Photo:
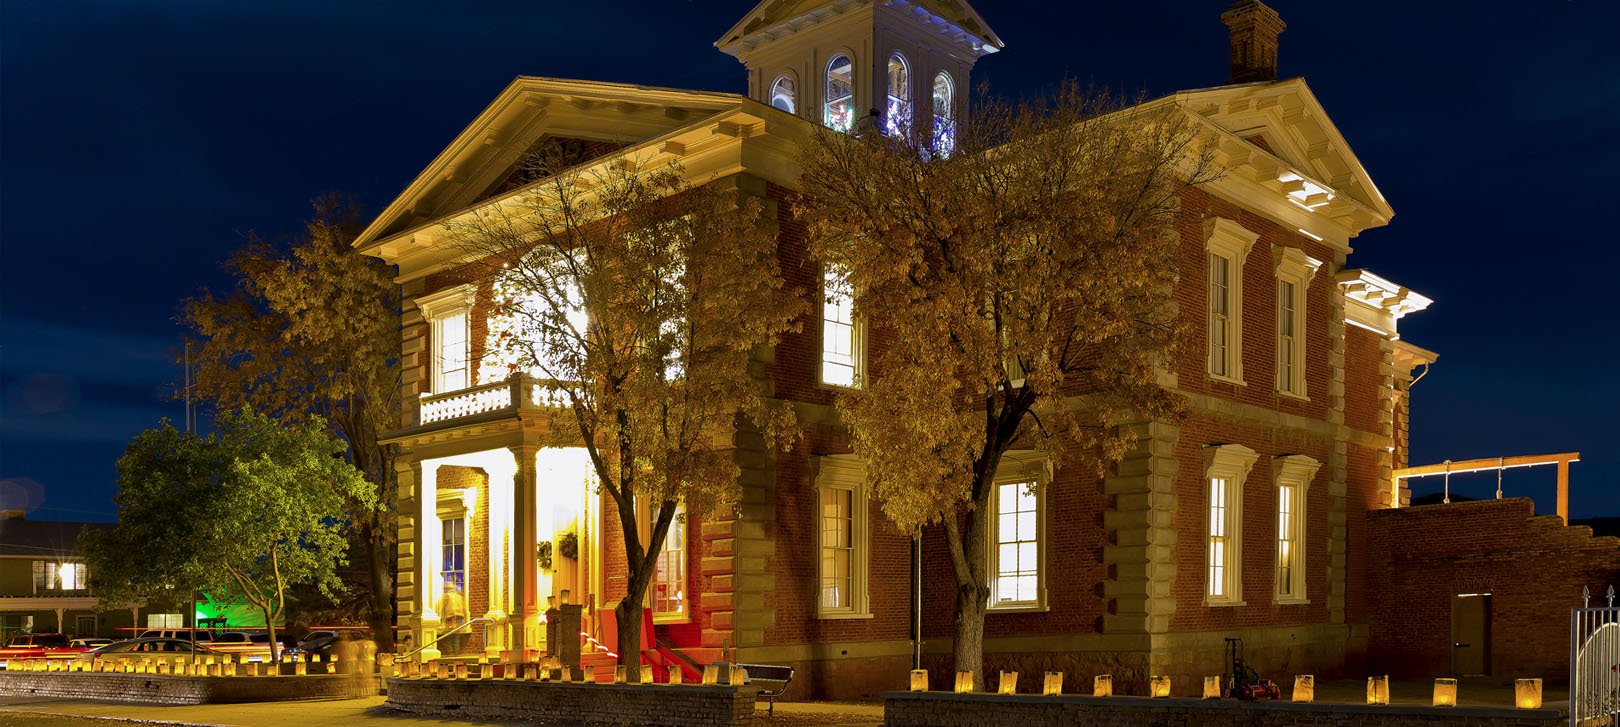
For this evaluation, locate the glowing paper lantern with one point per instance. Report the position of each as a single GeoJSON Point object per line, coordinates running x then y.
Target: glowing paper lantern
{"type": "Point", "coordinates": [1102, 686]}
{"type": "Point", "coordinates": [1378, 690]}
{"type": "Point", "coordinates": [964, 682]}
{"type": "Point", "coordinates": [620, 674]}
{"type": "Point", "coordinates": [647, 674]}
{"type": "Point", "coordinates": [461, 670]}
{"type": "Point", "coordinates": [739, 676]}
{"type": "Point", "coordinates": [1445, 692]}
{"type": "Point", "coordinates": [1009, 683]}
{"type": "Point", "coordinates": [675, 674]}
{"type": "Point", "coordinates": [1527, 693]}
{"type": "Point", "coordinates": [711, 674]}
{"type": "Point", "coordinates": [300, 667]}
{"type": "Point", "coordinates": [1053, 685]}
{"type": "Point", "coordinates": [1212, 687]}
{"type": "Point", "coordinates": [1159, 686]}
{"type": "Point", "coordinates": [919, 680]}
{"type": "Point", "coordinates": [1304, 688]}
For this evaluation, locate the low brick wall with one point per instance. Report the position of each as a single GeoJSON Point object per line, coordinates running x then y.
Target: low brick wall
{"type": "Point", "coordinates": [164, 689]}
{"type": "Point", "coordinates": [945, 709]}
{"type": "Point", "coordinates": [577, 703]}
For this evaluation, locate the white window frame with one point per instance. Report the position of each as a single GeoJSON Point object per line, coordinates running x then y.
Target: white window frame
{"type": "Point", "coordinates": [826, 92]}
{"type": "Point", "coordinates": [1229, 463]}
{"type": "Point", "coordinates": [1018, 467]}
{"type": "Point", "coordinates": [857, 325]}
{"type": "Point", "coordinates": [684, 582]}
{"type": "Point", "coordinates": [1297, 269]}
{"type": "Point", "coordinates": [844, 472]}
{"type": "Point", "coordinates": [792, 95]}
{"type": "Point", "coordinates": [451, 504]}
{"type": "Point", "coordinates": [1226, 239]}
{"type": "Point", "coordinates": [1295, 472]}
{"type": "Point", "coordinates": [439, 309]}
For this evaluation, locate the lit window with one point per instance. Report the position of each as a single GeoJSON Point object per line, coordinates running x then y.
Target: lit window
{"type": "Point", "coordinates": [1226, 467]}
{"type": "Point", "coordinates": [671, 328]}
{"type": "Point", "coordinates": [669, 573]}
{"type": "Point", "coordinates": [944, 114]}
{"type": "Point", "coordinates": [453, 568]}
{"type": "Point", "coordinates": [447, 311]}
{"type": "Point", "coordinates": [897, 117]}
{"type": "Point", "coordinates": [782, 94]}
{"type": "Point", "coordinates": [1226, 244]}
{"type": "Point", "coordinates": [1016, 533]}
{"type": "Point", "coordinates": [841, 544]}
{"type": "Point", "coordinates": [1293, 475]}
{"type": "Point", "coordinates": [840, 108]}
{"type": "Point", "coordinates": [842, 335]}
{"type": "Point", "coordinates": [1294, 272]}
{"type": "Point", "coordinates": [57, 576]}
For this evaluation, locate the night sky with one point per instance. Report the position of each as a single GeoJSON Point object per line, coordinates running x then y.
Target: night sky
{"type": "Point", "coordinates": [138, 140]}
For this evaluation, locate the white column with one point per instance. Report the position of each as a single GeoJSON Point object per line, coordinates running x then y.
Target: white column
{"type": "Point", "coordinates": [502, 469]}
{"type": "Point", "coordinates": [429, 532]}
{"type": "Point", "coordinates": [525, 570]}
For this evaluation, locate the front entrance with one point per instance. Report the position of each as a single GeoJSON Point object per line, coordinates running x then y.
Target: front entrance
{"type": "Point", "coordinates": [85, 626]}
{"type": "Point", "coordinates": [1471, 634]}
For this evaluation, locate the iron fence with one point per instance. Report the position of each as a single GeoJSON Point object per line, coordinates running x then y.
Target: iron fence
{"type": "Point", "coordinates": [1594, 663]}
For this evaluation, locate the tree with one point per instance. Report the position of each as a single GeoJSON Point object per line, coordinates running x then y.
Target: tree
{"type": "Point", "coordinates": [314, 330]}
{"type": "Point", "coordinates": [639, 299]}
{"type": "Point", "coordinates": [1022, 286]}
{"type": "Point", "coordinates": [248, 512]}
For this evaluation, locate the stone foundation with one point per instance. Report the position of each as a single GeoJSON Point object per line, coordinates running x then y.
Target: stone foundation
{"type": "Point", "coordinates": [577, 703]}
{"type": "Point", "coordinates": [944, 709]}
{"type": "Point", "coordinates": [164, 689]}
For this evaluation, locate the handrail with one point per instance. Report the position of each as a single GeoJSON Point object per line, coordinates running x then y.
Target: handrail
{"type": "Point", "coordinates": [420, 649]}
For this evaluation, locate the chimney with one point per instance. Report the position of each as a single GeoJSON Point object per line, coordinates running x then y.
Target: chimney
{"type": "Point", "coordinates": [1254, 28]}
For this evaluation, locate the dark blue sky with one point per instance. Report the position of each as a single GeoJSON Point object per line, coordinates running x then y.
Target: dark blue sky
{"type": "Point", "coordinates": [137, 139]}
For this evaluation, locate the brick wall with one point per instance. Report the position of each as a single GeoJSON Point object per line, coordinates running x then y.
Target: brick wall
{"type": "Point", "coordinates": [577, 702]}
{"type": "Point", "coordinates": [1361, 379]}
{"type": "Point", "coordinates": [1533, 567]}
{"type": "Point", "coordinates": [454, 477]}
{"type": "Point", "coordinates": [164, 689]}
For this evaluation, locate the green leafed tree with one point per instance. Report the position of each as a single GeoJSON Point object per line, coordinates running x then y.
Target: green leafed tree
{"type": "Point", "coordinates": [312, 329]}
{"type": "Point", "coordinates": [641, 300]}
{"type": "Point", "coordinates": [247, 512]}
{"type": "Point", "coordinates": [1021, 285]}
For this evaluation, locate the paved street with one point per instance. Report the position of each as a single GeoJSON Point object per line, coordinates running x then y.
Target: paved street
{"type": "Point", "coordinates": [368, 712]}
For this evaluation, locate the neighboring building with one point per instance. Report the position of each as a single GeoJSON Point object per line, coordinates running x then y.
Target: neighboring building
{"type": "Point", "coordinates": [44, 585]}
{"type": "Point", "coordinates": [1245, 520]}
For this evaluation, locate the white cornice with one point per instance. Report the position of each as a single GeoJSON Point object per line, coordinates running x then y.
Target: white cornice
{"type": "Point", "coordinates": [1375, 303]}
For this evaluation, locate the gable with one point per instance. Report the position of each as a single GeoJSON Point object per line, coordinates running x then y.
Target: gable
{"type": "Point", "coordinates": [772, 18]}
{"type": "Point", "coordinates": [483, 158]}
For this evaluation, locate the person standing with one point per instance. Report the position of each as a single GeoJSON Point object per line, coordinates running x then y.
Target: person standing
{"type": "Point", "coordinates": [452, 614]}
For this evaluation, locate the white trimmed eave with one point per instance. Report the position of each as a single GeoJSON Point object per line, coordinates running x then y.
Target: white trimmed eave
{"type": "Point", "coordinates": [1376, 303]}
{"type": "Point", "coordinates": [735, 42]}
{"type": "Point", "coordinates": [533, 105]}
{"type": "Point", "coordinates": [751, 137]}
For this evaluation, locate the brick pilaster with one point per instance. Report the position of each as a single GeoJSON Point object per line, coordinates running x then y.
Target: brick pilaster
{"type": "Point", "coordinates": [1141, 534]}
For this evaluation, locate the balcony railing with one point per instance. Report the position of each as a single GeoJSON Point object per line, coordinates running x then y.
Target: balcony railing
{"type": "Point", "coordinates": [516, 394]}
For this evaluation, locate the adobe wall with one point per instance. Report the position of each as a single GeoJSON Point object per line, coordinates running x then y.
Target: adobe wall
{"type": "Point", "coordinates": [1533, 567]}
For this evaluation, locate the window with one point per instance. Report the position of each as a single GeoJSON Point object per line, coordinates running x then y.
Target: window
{"type": "Point", "coordinates": [1226, 244]}
{"type": "Point", "coordinates": [841, 540]}
{"type": "Point", "coordinates": [897, 116]}
{"type": "Point", "coordinates": [782, 94]}
{"type": "Point", "coordinates": [944, 114]}
{"type": "Point", "coordinates": [1226, 466]}
{"type": "Point", "coordinates": [669, 572]}
{"type": "Point", "coordinates": [1293, 475]}
{"type": "Point", "coordinates": [59, 576]}
{"type": "Point", "coordinates": [1294, 272]}
{"type": "Point", "coordinates": [453, 567]}
{"type": "Point", "coordinates": [842, 336]}
{"type": "Point", "coordinates": [448, 360]}
{"type": "Point", "coordinates": [840, 109]}
{"type": "Point", "coordinates": [1017, 532]}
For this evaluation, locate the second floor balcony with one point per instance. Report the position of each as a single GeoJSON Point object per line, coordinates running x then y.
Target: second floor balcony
{"type": "Point", "coordinates": [518, 394]}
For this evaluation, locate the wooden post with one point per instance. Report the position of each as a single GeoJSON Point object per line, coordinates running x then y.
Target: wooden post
{"type": "Point", "coordinates": [1563, 489]}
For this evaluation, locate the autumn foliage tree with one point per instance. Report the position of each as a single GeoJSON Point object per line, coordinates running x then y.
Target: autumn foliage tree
{"type": "Point", "coordinates": [639, 299]}
{"type": "Point", "coordinates": [312, 329]}
{"type": "Point", "coordinates": [1022, 287]}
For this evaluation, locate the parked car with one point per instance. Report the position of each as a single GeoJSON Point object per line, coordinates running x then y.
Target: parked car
{"type": "Point", "coordinates": [157, 648]}
{"type": "Point", "coordinates": [324, 641]}
{"type": "Point", "coordinates": [87, 644]}
{"type": "Point", "coordinates": [34, 646]}
{"type": "Point", "coordinates": [203, 635]}
{"type": "Point", "coordinates": [254, 644]}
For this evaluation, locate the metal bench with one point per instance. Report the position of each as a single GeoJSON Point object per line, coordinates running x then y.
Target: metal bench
{"type": "Point", "coordinates": [771, 680]}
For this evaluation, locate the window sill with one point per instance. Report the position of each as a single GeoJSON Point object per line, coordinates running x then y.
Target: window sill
{"type": "Point", "coordinates": [849, 616]}
{"type": "Point", "coordinates": [1019, 608]}
{"type": "Point", "coordinates": [673, 618]}
{"type": "Point", "coordinates": [1226, 379]}
{"type": "Point", "coordinates": [1223, 603]}
{"type": "Point", "coordinates": [1292, 395]}
{"type": "Point", "coordinates": [1291, 601]}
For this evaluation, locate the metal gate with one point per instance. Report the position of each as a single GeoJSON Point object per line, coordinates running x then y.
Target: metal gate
{"type": "Point", "coordinates": [1594, 663]}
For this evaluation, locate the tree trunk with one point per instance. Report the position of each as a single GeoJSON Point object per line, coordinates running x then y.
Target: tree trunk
{"type": "Point", "coordinates": [968, 651]}
{"type": "Point", "coordinates": [628, 613]}
{"type": "Point", "coordinates": [380, 611]}
{"type": "Point", "coordinates": [275, 646]}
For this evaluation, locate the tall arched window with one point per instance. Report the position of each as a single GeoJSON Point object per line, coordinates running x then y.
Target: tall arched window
{"type": "Point", "coordinates": [782, 94]}
{"type": "Point", "coordinates": [944, 114]}
{"type": "Point", "coordinates": [897, 117]}
{"type": "Point", "coordinates": [840, 110]}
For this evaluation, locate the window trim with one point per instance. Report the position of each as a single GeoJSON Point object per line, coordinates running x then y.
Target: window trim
{"type": "Point", "coordinates": [1230, 462]}
{"type": "Point", "coordinates": [449, 505]}
{"type": "Point", "coordinates": [435, 309]}
{"type": "Point", "coordinates": [908, 102]}
{"type": "Point", "coordinates": [844, 472]}
{"type": "Point", "coordinates": [685, 614]}
{"type": "Point", "coordinates": [1294, 267]}
{"type": "Point", "coordinates": [943, 122]}
{"type": "Point", "coordinates": [1293, 470]}
{"type": "Point", "coordinates": [1019, 466]}
{"type": "Point", "coordinates": [793, 93]}
{"type": "Point", "coordinates": [1227, 239]}
{"type": "Point", "coordinates": [857, 344]}
{"type": "Point", "coordinates": [826, 88]}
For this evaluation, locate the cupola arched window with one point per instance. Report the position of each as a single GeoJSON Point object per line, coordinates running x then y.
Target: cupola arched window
{"type": "Point", "coordinates": [839, 114]}
{"type": "Point", "coordinates": [782, 94]}
{"type": "Point", "coordinates": [897, 117]}
{"type": "Point", "coordinates": [944, 113]}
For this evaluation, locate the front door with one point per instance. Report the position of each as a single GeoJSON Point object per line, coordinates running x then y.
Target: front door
{"type": "Point", "coordinates": [85, 626]}
{"type": "Point", "coordinates": [1471, 634]}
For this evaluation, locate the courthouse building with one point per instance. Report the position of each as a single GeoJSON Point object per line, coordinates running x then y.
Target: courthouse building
{"type": "Point", "coordinates": [1246, 519]}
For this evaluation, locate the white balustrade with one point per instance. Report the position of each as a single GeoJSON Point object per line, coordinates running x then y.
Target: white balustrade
{"type": "Point", "coordinates": [458, 404]}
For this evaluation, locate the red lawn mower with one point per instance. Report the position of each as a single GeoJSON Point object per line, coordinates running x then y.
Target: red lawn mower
{"type": "Point", "coordinates": [1242, 682]}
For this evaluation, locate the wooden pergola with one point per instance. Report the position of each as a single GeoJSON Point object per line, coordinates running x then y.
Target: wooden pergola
{"type": "Point", "coordinates": [1499, 463]}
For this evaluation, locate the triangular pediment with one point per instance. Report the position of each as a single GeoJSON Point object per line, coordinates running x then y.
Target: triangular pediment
{"type": "Point", "coordinates": [772, 18]}
{"type": "Point", "coordinates": [594, 118]}
{"type": "Point", "coordinates": [1279, 131]}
